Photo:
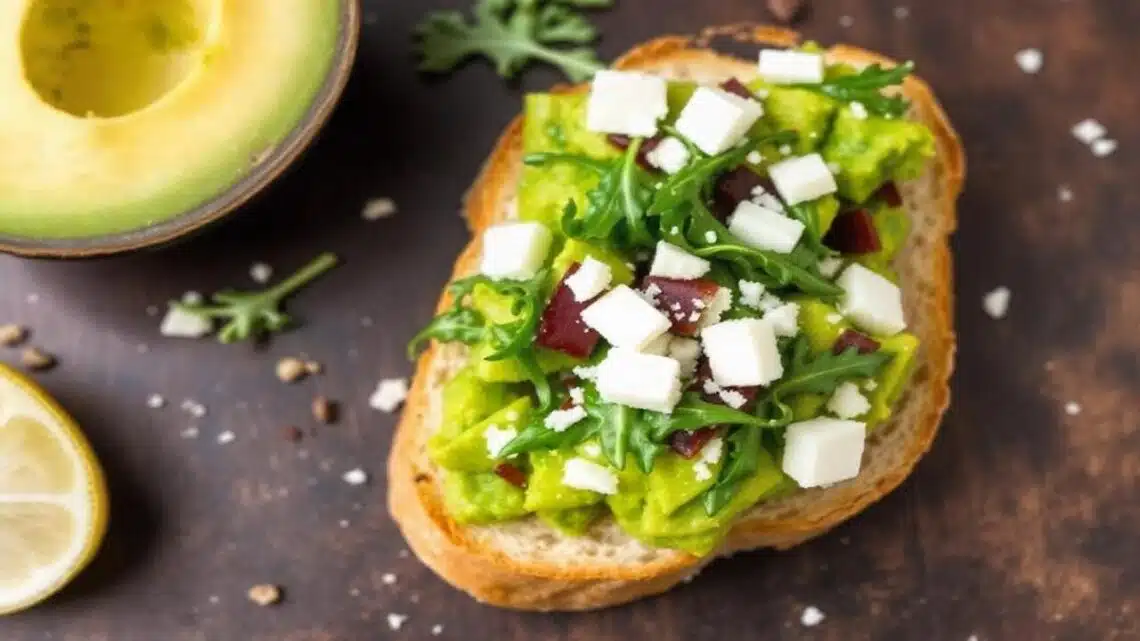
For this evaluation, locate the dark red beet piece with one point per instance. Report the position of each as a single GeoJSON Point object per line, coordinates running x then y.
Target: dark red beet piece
{"type": "Point", "coordinates": [889, 193]}
{"type": "Point", "coordinates": [860, 341]}
{"type": "Point", "coordinates": [690, 444]}
{"type": "Point", "coordinates": [734, 186]}
{"type": "Point", "coordinates": [511, 474]}
{"type": "Point", "coordinates": [649, 144]}
{"type": "Point", "coordinates": [734, 86]}
{"type": "Point", "coordinates": [853, 232]}
{"type": "Point", "coordinates": [561, 328]}
{"type": "Point", "coordinates": [683, 301]}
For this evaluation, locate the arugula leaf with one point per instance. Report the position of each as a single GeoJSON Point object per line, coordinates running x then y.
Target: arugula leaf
{"type": "Point", "coordinates": [742, 460]}
{"type": "Point", "coordinates": [866, 86]}
{"type": "Point", "coordinates": [616, 427]}
{"type": "Point", "coordinates": [641, 444]}
{"type": "Point", "coordinates": [537, 436]}
{"type": "Point", "coordinates": [693, 413]}
{"type": "Point", "coordinates": [458, 325]}
{"type": "Point", "coordinates": [822, 374]}
{"type": "Point", "coordinates": [512, 33]}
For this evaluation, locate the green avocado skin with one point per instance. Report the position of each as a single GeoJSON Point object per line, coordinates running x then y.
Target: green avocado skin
{"type": "Point", "coordinates": [662, 508]}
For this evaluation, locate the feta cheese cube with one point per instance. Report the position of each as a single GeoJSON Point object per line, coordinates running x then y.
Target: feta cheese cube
{"type": "Point", "coordinates": [871, 301]}
{"type": "Point", "coordinates": [497, 438]}
{"type": "Point", "coordinates": [802, 178]}
{"type": "Point", "coordinates": [761, 197]}
{"type": "Point", "coordinates": [562, 420]}
{"type": "Point", "coordinates": [721, 303]}
{"type": "Point", "coordinates": [514, 251]}
{"type": "Point", "coordinates": [848, 402]}
{"type": "Point", "coordinates": [996, 303]}
{"type": "Point", "coordinates": [625, 319]}
{"type": "Point", "coordinates": [583, 474]}
{"type": "Point", "coordinates": [763, 228]}
{"type": "Point", "coordinates": [742, 352]}
{"type": "Point", "coordinates": [658, 346]}
{"type": "Point", "coordinates": [644, 381]}
{"type": "Point", "coordinates": [715, 120]}
{"type": "Point", "coordinates": [671, 261]}
{"type": "Point", "coordinates": [782, 67]}
{"type": "Point", "coordinates": [626, 102]}
{"type": "Point", "coordinates": [823, 451]}
{"type": "Point", "coordinates": [784, 319]}
{"type": "Point", "coordinates": [592, 278]}
{"type": "Point", "coordinates": [686, 351]}
{"type": "Point", "coordinates": [179, 323]}
{"type": "Point", "coordinates": [670, 155]}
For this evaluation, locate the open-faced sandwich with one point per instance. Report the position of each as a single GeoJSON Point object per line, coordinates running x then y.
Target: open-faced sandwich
{"type": "Point", "coordinates": [706, 308]}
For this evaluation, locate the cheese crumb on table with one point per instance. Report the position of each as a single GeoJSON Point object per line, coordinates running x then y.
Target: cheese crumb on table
{"type": "Point", "coordinates": [225, 438]}
{"type": "Point", "coordinates": [378, 208]}
{"type": "Point", "coordinates": [1030, 60]}
{"type": "Point", "coordinates": [389, 395]}
{"type": "Point", "coordinates": [265, 594]}
{"type": "Point", "coordinates": [1072, 408]}
{"type": "Point", "coordinates": [1103, 147]}
{"type": "Point", "coordinates": [260, 273]}
{"type": "Point", "coordinates": [388, 578]}
{"type": "Point", "coordinates": [1088, 131]}
{"type": "Point", "coordinates": [811, 617]}
{"type": "Point", "coordinates": [996, 303]}
{"type": "Point", "coordinates": [155, 401]}
{"type": "Point", "coordinates": [355, 476]}
{"type": "Point", "coordinates": [1064, 194]}
{"type": "Point", "coordinates": [436, 630]}
{"type": "Point", "coordinates": [396, 621]}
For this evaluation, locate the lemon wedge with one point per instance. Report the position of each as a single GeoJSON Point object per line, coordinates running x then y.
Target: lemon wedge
{"type": "Point", "coordinates": [53, 498]}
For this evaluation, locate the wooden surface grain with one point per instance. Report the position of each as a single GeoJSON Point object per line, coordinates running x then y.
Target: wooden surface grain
{"type": "Point", "coordinates": [1023, 523]}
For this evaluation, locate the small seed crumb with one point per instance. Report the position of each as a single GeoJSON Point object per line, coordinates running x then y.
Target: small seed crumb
{"type": "Point", "coordinates": [324, 410]}
{"type": "Point", "coordinates": [265, 595]}
{"type": "Point", "coordinates": [35, 359]}
{"type": "Point", "coordinates": [314, 368]}
{"type": "Point", "coordinates": [13, 335]}
{"type": "Point", "coordinates": [293, 434]}
{"type": "Point", "coordinates": [290, 370]}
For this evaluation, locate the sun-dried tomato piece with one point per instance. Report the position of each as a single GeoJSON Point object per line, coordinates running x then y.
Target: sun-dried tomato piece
{"type": "Point", "coordinates": [734, 186]}
{"type": "Point", "coordinates": [623, 142]}
{"type": "Point", "coordinates": [561, 327]}
{"type": "Point", "coordinates": [734, 86]}
{"type": "Point", "coordinates": [860, 341]}
{"type": "Point", "coordinates": [853, 232]}
{"type": "Point", "coordinates": [690, 444]}
{"type": "Point", "coordinates": [889, 193]}
{"type": "Point", "coordinates": [683, 301]}
{"type": "Point", "coordinates": [511, 474]}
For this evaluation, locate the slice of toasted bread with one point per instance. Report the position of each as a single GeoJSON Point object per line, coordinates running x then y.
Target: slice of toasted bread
{"type": "Point", "coordinates": [527, 565]}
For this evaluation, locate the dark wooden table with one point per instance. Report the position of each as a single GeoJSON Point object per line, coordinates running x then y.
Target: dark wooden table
{"type": "Point", "coordinates": [1022, 524]}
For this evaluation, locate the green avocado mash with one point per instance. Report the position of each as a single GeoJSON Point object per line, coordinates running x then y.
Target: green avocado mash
{"type": "Point", "coordinates": [526, 433]}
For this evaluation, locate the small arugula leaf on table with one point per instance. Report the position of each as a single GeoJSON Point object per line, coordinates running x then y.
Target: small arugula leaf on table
{"type": "Point", "coordinates": [866, 87]}
{"type": "Point", "coordinates": [742, 459]}
{"type": "Point", "coordinates": [512, 33]}
{"type": "Point", "coordinates": [249, 315]}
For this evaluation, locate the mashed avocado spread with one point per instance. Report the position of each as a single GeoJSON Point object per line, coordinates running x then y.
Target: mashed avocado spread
{"type": "Point", "coordinates": [689, 319]}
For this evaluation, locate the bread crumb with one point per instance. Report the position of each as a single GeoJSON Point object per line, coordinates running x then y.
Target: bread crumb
{"type": "Point", "coordinates": [324, 410]}
{"type": "Point", "coordinates": [155, 401]}
{"type": "Point", "coordinates": [1072, 408]}
{"type": "Point", "coordinates": [1030, 60]}
{"type": "Point", "coordinates": [290, 370]}
{"type": "Point", "coordinates": [355, 476]}
{"type": "Point", "coordinates": [36, 359]}
{"type": "Point", "coordinates": [378, 208]}
{"type": "Point", "coordinates": [389, 395]}
{"type": "Point", "coordinates": [396, 621]}
{"type": "Point", "coordinates": [293, 434]}
{"type": "Point", "coordinates": [996, 303]}
{"type": "Point", "coordinates": [13, 335]}
{"type": "Point", "coordinates": [314, 368]}
{"type": "Point", "coordinates": [260, 273]}
{"type": "Point", "coordinates": [811, 617]}
{"type": "Point", "coordinates": [265, 594]}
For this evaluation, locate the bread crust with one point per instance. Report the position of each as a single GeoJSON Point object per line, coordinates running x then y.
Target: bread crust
{"type": "Point", "coordinates": [495, 577]}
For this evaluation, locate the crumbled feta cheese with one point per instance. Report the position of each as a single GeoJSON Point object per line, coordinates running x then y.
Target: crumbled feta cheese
{"type": "Point", "coordinates": [1103, 147]}
{"type": "Point", "coordinates": [785, 150]}
{"type": "Point", "coordinates": [742, 352]}
{"type": "Point", "coordinates": [378, 208]}
{"type": "Point", "coordinates": [626, 102]}
{"type": "Point", "coordinates": [179, 323]}
{"type": "Point", "coordinates": [761, 197]}
{"type": "Point", "coordinates": [784, 319]}
{"type": "Point", "coordinates": [155, 401]}
{"type": "Point", "coordinates": [763, 228]}
{"type": "Point", "coordinates": [733, 398]}
{"type": "Point", "coordinates": [811, 617]}
{"type": "Point", "coordinates": [714, 120]}
{"type": "Point", "coordinates": [586, 372]}
{"type": "Point", "coordinates": [701, 471]}
{"type": "Point", "coordinates": [871, 385]}
{"type": "Point", "coordinates": [1064, 194]}
{"type": "Point", "coordinates": [390, 393]}
{"type": "Point", "coordinates": [871, 301]}
{"type": "Point", "coordinates": [436, 630]}
{"type": "Point", "coordinates": [848, 401]}
{"type": "Point", "coordinates": [355, 476]}
{"type": "Point", "coordinates": [750, 293]}
{"type": "Point", "coordinates": [721, 303]}
{"type": "Point", "coordinates": [562, 420]}
{"type": "Point", "coordinates": [1030, 60]}
{"type": "Point", "coordinates": [1072, 408]}
{"type": "Point", "coordinates": [396, 621]}
{"type": "Point", "coordinates": [710, 236]}
{"type": "Point", "coordinates": [514, 250]}
{"type": "Point", "coordinates": [781, 66]}
{"type": "Point", "coordinates": [802, 178]}
{"type": "Point", "coordinates": [498, 437]}
{"type": "Point", "coordinates": [713, 450]}
{"type": "Point", "coordinates": [592, 278]}
{"type": "Point", "coordinates": [388, 578]}
{"type": "Point", "coordinates": [823, 451]}
{"type": "Point", "coordinates": [859, 112]}
{"type": "Point", "coordinates": [644, 381]}
{"type": "Point", "coordinates": [193, 408]}
{"type": "Point", "coordinates": [671, 261]}
{"type": "Point", "coordinates": [577, 395]}
{"type": "Point", "coordinates": [592, 449]}
{"type": "Point", "coordinates": [583, 474]}
{"type": "Point", "coordinates": [755, 158]}
{"type": "Point", "coordinates": [830, 266]}
{"type": "Point", "coordinates": [225, 438]}
{"type": "Point", "coordinates": [846, 21]}
{"type": "Point", "coordinates": [902, 13]}
{"type": "Point", "coordinates": [996, 303]}
{"type": "Point", "coordinates": [1089, 130]}
{"type": "Point", "coordinates": [769, 302]}
{"type": "Point", "coordinates": [710, 387]}
{"type": "Point", "coordinates": [670, 155]}
{"type": "Point", "coordinates": [686, 351]}
{"type": "Point", "coordinates": [625, 319]}
{"type": "Point", "coordinates": [260, 273]}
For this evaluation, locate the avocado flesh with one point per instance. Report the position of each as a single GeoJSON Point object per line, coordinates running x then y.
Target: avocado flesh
{"type": "Point", "coordinates": [191, 94]}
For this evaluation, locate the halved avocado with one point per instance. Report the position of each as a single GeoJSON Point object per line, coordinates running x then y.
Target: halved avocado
{"type": "Point", "coordinates": [159, 115]}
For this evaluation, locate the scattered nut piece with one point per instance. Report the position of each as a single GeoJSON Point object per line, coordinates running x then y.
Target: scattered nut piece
{"type": "Point", "coordinates": [293, 434]}
{"type": "Point", "coordinates": [314, 368]}
{"type": "Point", "coordinates": [12, 335]}
{"type": "Point", "coordinates": [324, 410]}
{"type": "Point", "coordinates": [290, 370]}
{"type": "Point", "coordinates": [36, 359]}
{"type": "Point", "coordinates": [786, 11]}
{"type": "Point", "coordinates": [265, 594]}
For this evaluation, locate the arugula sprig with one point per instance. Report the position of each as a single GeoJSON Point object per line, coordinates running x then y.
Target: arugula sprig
{"type": "Point", "coordinates": [252, 315]}
{"type": "Point", "coordinates": [742, 459]}
{"type": "Point", "coordinates": [822, 373]}
{"type": "Point", "coordinates": [512, 33]}
{"type": "Point", "coordinates": [866, 87]}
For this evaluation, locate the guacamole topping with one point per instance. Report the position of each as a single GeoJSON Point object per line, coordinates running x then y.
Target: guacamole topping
{"type": "Point", "coordinates": [677, 328]}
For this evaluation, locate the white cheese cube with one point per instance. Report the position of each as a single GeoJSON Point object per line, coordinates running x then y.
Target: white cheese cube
{"type": "Point", "coordinates": [721, 303]}
{"type": "Point", "coordinates": [497, 438]}
{"type": "Point", "coordinates": [742, 352]}
{"type": "Point", "coordinates": [179, 323]}
{"type": "Point", "coordinates": [781, 67]}
{"type": "Point", "coordinates": [625, 319]}
{"type": "Point", "coordinates": [671, 261]}
{"type": "Point", "coordinates": [592, 278]}
{"type": "Point", "coordinates": [658, 346]}
{"type": "Point", "coordinates": [514, 251]}
{"type": "Point", "coordinates": [823, 451]}
{"type": "Point", "coordinates": [802, 178]}
{"type": "Point", "coordinates": [644, 381]}
{"type": "Point", "coordinates": [784, 319]}
{"type": "Point", "coordinates": [670, 155]}
{"type": "Point", "coordinates": [583, 474]}
{"type": "Point", "coordinates": [848, 402]}
{"type": "Point", "coordinates": [871, 301]}
{"type": "Point", "coordinates": [763, 228]}
{"type": "Point", "coordinates": [686, 351]}
{"type": "Point", "coordinates": [715, 120]}
{"type": "Point", "coordinates": [626, 102]}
